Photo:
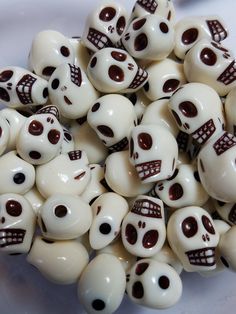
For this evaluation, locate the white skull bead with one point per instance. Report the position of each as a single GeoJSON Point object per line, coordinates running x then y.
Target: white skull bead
{"type": "Point", "coordinates": [17, 220]}
{"type": "Point", "coordinates": [150, 37]}
{"type": "Point", "coordinates": [104, 26]}
{"type": "Point", "coordinates": [122, 176]}
{"type": "Point", "coordinates": [67, 174]}
{"type": "Point", "coordinates": [64, 217]}
{"type": "Point", "coordinates": [164, 8]}
{"type": "Point", "coordinates": [183, 188]}
{"type": "Point", "coordinates": [216, 167]}
{"type": "Point", "coordinates": [70, 90]}
{"type": "Point", "coordinates": [198, 111]}
{"type": "Point", "coordinates": [153, 284]}
{"type": "Point", "coordinates": [109, 209]}
{"type": "Point", "coordinates": [143, 228]}
{"type": "Point", "coordinates": [153, 152]}
{"type": "Point", "coordinates": [189, 30]}
{"type": "Point", "coordinates": [168, 73]}
{"type": "Point", "coordinates": [61, 262]}
{"type": "Point", "coordinates": [101, 286]}
{"type": "Point", "coordinates": [210, 63]}
{"type": "Point", "coordinates": [86, 139]}
{"type": "Point", "coordinates": [227, 248]}
{"type": "Point", "coordinates": [120, 72]}
{"type": "Point", "coordinates": [193, 237]}
{"type": "Point", "coordinates": [49, 49]}
{"type": "Point", "coordinates": [17, 175]}
{"type": "Point", "coordinates": [40, 137]}
{"type": "Point", "coordinates": [112, 122]}
{"type": "Point", "coordinates": [4, 134]}
{"type": "Point", "coordinates": [20, 87]}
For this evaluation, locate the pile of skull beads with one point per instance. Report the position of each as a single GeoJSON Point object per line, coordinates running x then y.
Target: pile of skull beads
{"type": "Point", "coordinates": [118, 148]}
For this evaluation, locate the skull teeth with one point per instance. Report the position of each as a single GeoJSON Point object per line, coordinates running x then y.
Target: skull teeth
{"type": "Point", "coordinates": [148, 5]}
{"type": "Point", "coordinates": [225, 142]}
{"type": "Point", "coordinates": [139, 79]}
{"type": "Point", "coordinates": [119, 146]}
{"type": "Point", "coordinates": [218, 32]}
{"type": "Point", "coordinates": [75, 75]}
{"type": "Point", "coordinates": [229, 75]}
{"type": "Point", "coordinates": [146, 208]}
{"type": "Point", "coordinates": [24, 88]}
{"type": "Point", "coordinates": [202, 134]}
{"type": "Point", "coordinates": [202, 257]}
{"type": "Point", "coordinates": [11, 237]}
{"type": "Point", "coordinates": [98, 39]}
{"type": "Point", "coordinates": [148, 169]}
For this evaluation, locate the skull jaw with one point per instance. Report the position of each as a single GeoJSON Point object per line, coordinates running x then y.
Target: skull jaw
{"type": "Point", "coordinates": [202, 259]}
{"type": "Point", "coordinates": [15, 241]}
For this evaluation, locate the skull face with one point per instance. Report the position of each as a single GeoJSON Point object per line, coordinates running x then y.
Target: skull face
{"type": "Point", "coordinates": [143, 37]}
{"type": "Point", "coordinates": [227, 211]}
{"type": "Point", "coordinates": [216, 167]}
{"type": "Point", "coordinates": [109, 209]}
{"type": "Point", "coordinates": [143, 229]}
{"type": "Point", "coordinates": [153, 152]}
{"type": "Point", "coordinates": [64, 217]}
{"type": "Point", "coordinates": [40, 138]}
{"type": "Point", "coordinates": [120, 72]}
{"type": "Point", "coordinates": [19, 87]}
{"type": "Point", "coordinates": [193, 237]}
{"type": "Point", "coordinates": [104, 26]}
{"type": "Point", "coordinates": [170, 76]}
{"type": "Point", "coordinates": [164, 8]}
{"type": "Point", "coordinates": [210, 63]}
{"type": "Point", "coordinates": [112, 123]}
{"type": "Point", "coordinates": [17, 224]}
{"type": "Point", "coordinates": [198, 111]}
{"type": "Point", "coordinates": [183, 188]}
{"type": "Point", "coordinates": [49, 49]}
{"type": "Point", "coordinates": [153, 284]}
{"type": "Point", "coordinates": [71, 91]}
{"type": "Point", "coordinates": [190, 30]}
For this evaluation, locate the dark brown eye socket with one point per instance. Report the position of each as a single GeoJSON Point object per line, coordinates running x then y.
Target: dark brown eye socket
{"type": "Point", "coordinates": [47, 71]}
{"type": "Point", "coordinates": [170, 85]}
{"type": "Point", "coordinates": [4, 95]}
{"type": "Point", "coordinates": [164, 28]}
{"type": "Point", "coordinates": [105, 130]}
{"type": "Point", "coordinates": [188, 109]}
{"type": "Point", "coordinates": [54, 136]}
{"type": "Point", "coordinates": [138, 24]}
{"type": "Point", "coordinates": [208, 56]}
{"type": "Point", "coordinates": [208, 224]}
{"type": "Point", "coordinates": [120, 25]}
{"type": "Point", "coordinates": [140, 42]}
{"type": "Point", "coordinates": [116, 73]}
{"type": "Point", "coordinates": [189, 36]}
{"type": "Point", "coordinates": [119, 56]}
{"type": "Point", "coordinates": [145, 141]}
{"type": "Point", "coordinates": [189, 227]}
{"type": "Point", "coordinates": [93, 62]}
{"type": "Point", "coordinates": [131, 147]}
{"type": "Point", "coordinates": [60, 211]}
{"type": "Point", "coordinates": [65, 51]}
{"type": "Point", "coordinates": [35, 128]}
{"type": "Point", "coordinates": [107, 14]}
{"type": "Point", "coordinates": [13, 208]}
{"type": "Point", "coordinates": [6, 75]}
{"type": "Point", "coordinates": [141, 268]}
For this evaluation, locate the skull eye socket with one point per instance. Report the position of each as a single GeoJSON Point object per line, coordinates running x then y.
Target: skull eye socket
{"type": "Point", "coordinates": [131, 147]}
{"type": "Point", "coordinates": [164, 27]}
{"type": "Point", "coordinates": [60, 211]}
{"type": "Point", "coordinates": [189, 227]}
{"type": "Point", "coordinates": [164, 282]}
{"type": "Point", "coordinates": [188, 109]}
{"type": "Point", "coordinates": [47, 71]}
{"type": "Point", "coordinates": [118, 56]}
{"type": "Point", "coordinates": [120, 25]}
{"type": "Point", "coordinates": [170, 85]}
{"type": "Point", "coordinates": [65, 51]}
{"type": "Point", "coordinates": [116, 74]}
{"type": "Point", "coordinates": [105, 130]}
{"type": "Point", "coordinates": [93, 62]}
{"type": "Point", "coordinates": [189, 36]}
{"type": "Point", "coordinates": [141, 268]}
{"type": "Point", "coordinates": [55, 83]}
{"type": "Point", "coordinates": [6, 75]}
{"type": "Point", "coordinates": [140, 42]}
{"type": "Point", "coordinates": [13, 208]}
{"type": "Point", "coordinates": [145, 141]}
{"type": "Point", "coordinates": [208, 225]}
{"type": "Point", "coordinates": [4, 95]}
{"type": "Point", "coordinates": [35, 128]}
{"type": "Point", "coordinates": [107, 14]}
{"type": "Point", "coordinates": [138, 24]}
{"type": "Point", "coordinates": [208, 57]}
{"type": "Point", "coordinates": [54, 136]}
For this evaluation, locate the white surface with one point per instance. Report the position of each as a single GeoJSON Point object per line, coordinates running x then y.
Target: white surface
{"type": "Point", "coordinates": [22, 289]}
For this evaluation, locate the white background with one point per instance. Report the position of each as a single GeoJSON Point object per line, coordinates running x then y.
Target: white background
{"type": "Point", "coordinates": [22, 289]}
